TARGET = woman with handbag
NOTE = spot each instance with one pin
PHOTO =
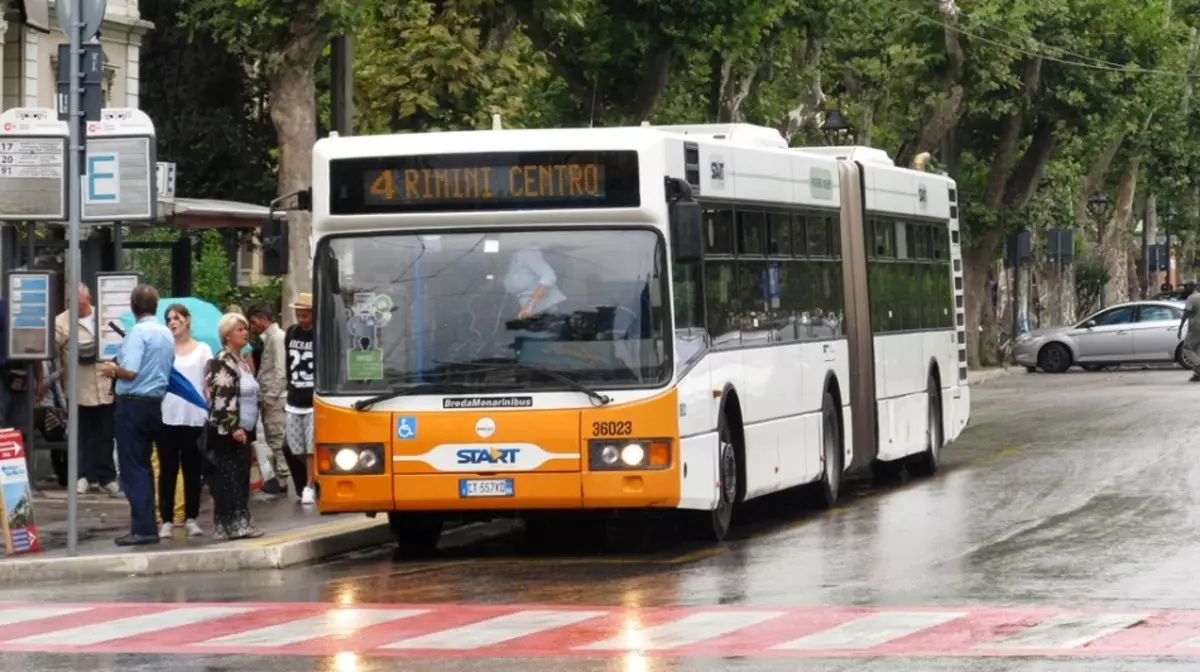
(183, 424)
(233, 398)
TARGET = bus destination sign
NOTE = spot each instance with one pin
(530, 181)
(506, 181)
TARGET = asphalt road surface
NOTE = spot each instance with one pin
(1062, 534)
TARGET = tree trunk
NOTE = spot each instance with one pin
(1114, 244)
(980, 311)
(293, 110)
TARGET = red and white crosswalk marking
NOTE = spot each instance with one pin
(447, 630)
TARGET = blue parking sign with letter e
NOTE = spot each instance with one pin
(406, 427)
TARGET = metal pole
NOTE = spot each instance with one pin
(74, 183)
(341, 65)
(30, 371)
(1167, 223)
(118, 246)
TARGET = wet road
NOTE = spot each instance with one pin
(1070, 493)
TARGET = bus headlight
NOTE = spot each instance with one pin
(350, 458)
(604, 455)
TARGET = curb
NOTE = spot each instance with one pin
(287, 550)
(980, 376)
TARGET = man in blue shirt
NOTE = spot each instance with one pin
(142, 370)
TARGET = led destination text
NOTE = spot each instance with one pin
(562, 181)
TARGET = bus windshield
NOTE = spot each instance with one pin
(492, 312)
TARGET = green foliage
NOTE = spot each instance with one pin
(210, 267)
(421, 69)
(1091, 275)
(208, 111)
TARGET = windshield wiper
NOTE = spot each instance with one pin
(418, 388)
(598, 397)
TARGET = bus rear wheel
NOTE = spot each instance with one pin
(416, 533)
(824, 493)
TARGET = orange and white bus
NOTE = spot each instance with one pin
(674, 318)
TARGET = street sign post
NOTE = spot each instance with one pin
(30, 320)
(33, 154)
(93, 72)
(120, 178)
(80, 20)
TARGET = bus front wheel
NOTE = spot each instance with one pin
(416, 533)
(714, 525)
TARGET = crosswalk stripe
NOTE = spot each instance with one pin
(132, 626)
(15, 615)
(495, 630)
(685, 631)
(871, 631)
(334, 623)
(1065, 631)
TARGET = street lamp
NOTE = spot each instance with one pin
(835, 128)
(1167, 213)
(1097, 204)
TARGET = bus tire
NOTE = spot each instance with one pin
(713, 526)
(416, 534)
(926, 463)
(824, 493)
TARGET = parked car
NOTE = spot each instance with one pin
(1134, 332)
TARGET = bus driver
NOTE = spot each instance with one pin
(533, 282)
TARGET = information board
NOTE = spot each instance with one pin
(16, 497)
(113, 290)
(33, 151)
(120, 177)
(30, 323)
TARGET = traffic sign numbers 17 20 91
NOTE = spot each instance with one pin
(31, 158)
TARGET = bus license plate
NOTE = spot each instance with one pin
(492, 487)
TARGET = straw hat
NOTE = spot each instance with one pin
(303, 301)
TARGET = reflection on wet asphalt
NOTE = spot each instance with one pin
(1067, 491)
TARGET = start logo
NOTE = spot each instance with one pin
(488, 455)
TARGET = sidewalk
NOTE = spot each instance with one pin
(293, 535)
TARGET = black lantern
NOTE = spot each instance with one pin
(835, 128)
(1167, 212)
(1097, 204)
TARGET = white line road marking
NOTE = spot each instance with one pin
(871, 631)
(132, 626)
(333, 623)
(685, 631)
(15, 615)
(1065, 631)
(495, 630)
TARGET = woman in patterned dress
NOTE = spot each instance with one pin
(233, 395)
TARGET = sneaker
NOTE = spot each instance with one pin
(166, 531)
(273, 488)
(82, 486)
(113, 490)
(192, 528)
(309, 497)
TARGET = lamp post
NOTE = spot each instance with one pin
(1167, 213)
(1097, 207)
(836, 129)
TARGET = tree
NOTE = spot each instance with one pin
(282, 40)
(419, 67)
(207, 110)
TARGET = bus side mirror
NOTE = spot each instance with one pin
(274, 246)
(687, 238)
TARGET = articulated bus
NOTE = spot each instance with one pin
(680, 318)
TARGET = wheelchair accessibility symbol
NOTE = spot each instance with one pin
(406, 428)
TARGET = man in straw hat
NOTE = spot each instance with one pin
(300, 375)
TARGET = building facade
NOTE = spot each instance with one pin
(31, 38)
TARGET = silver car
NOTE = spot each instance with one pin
(1139, 331)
